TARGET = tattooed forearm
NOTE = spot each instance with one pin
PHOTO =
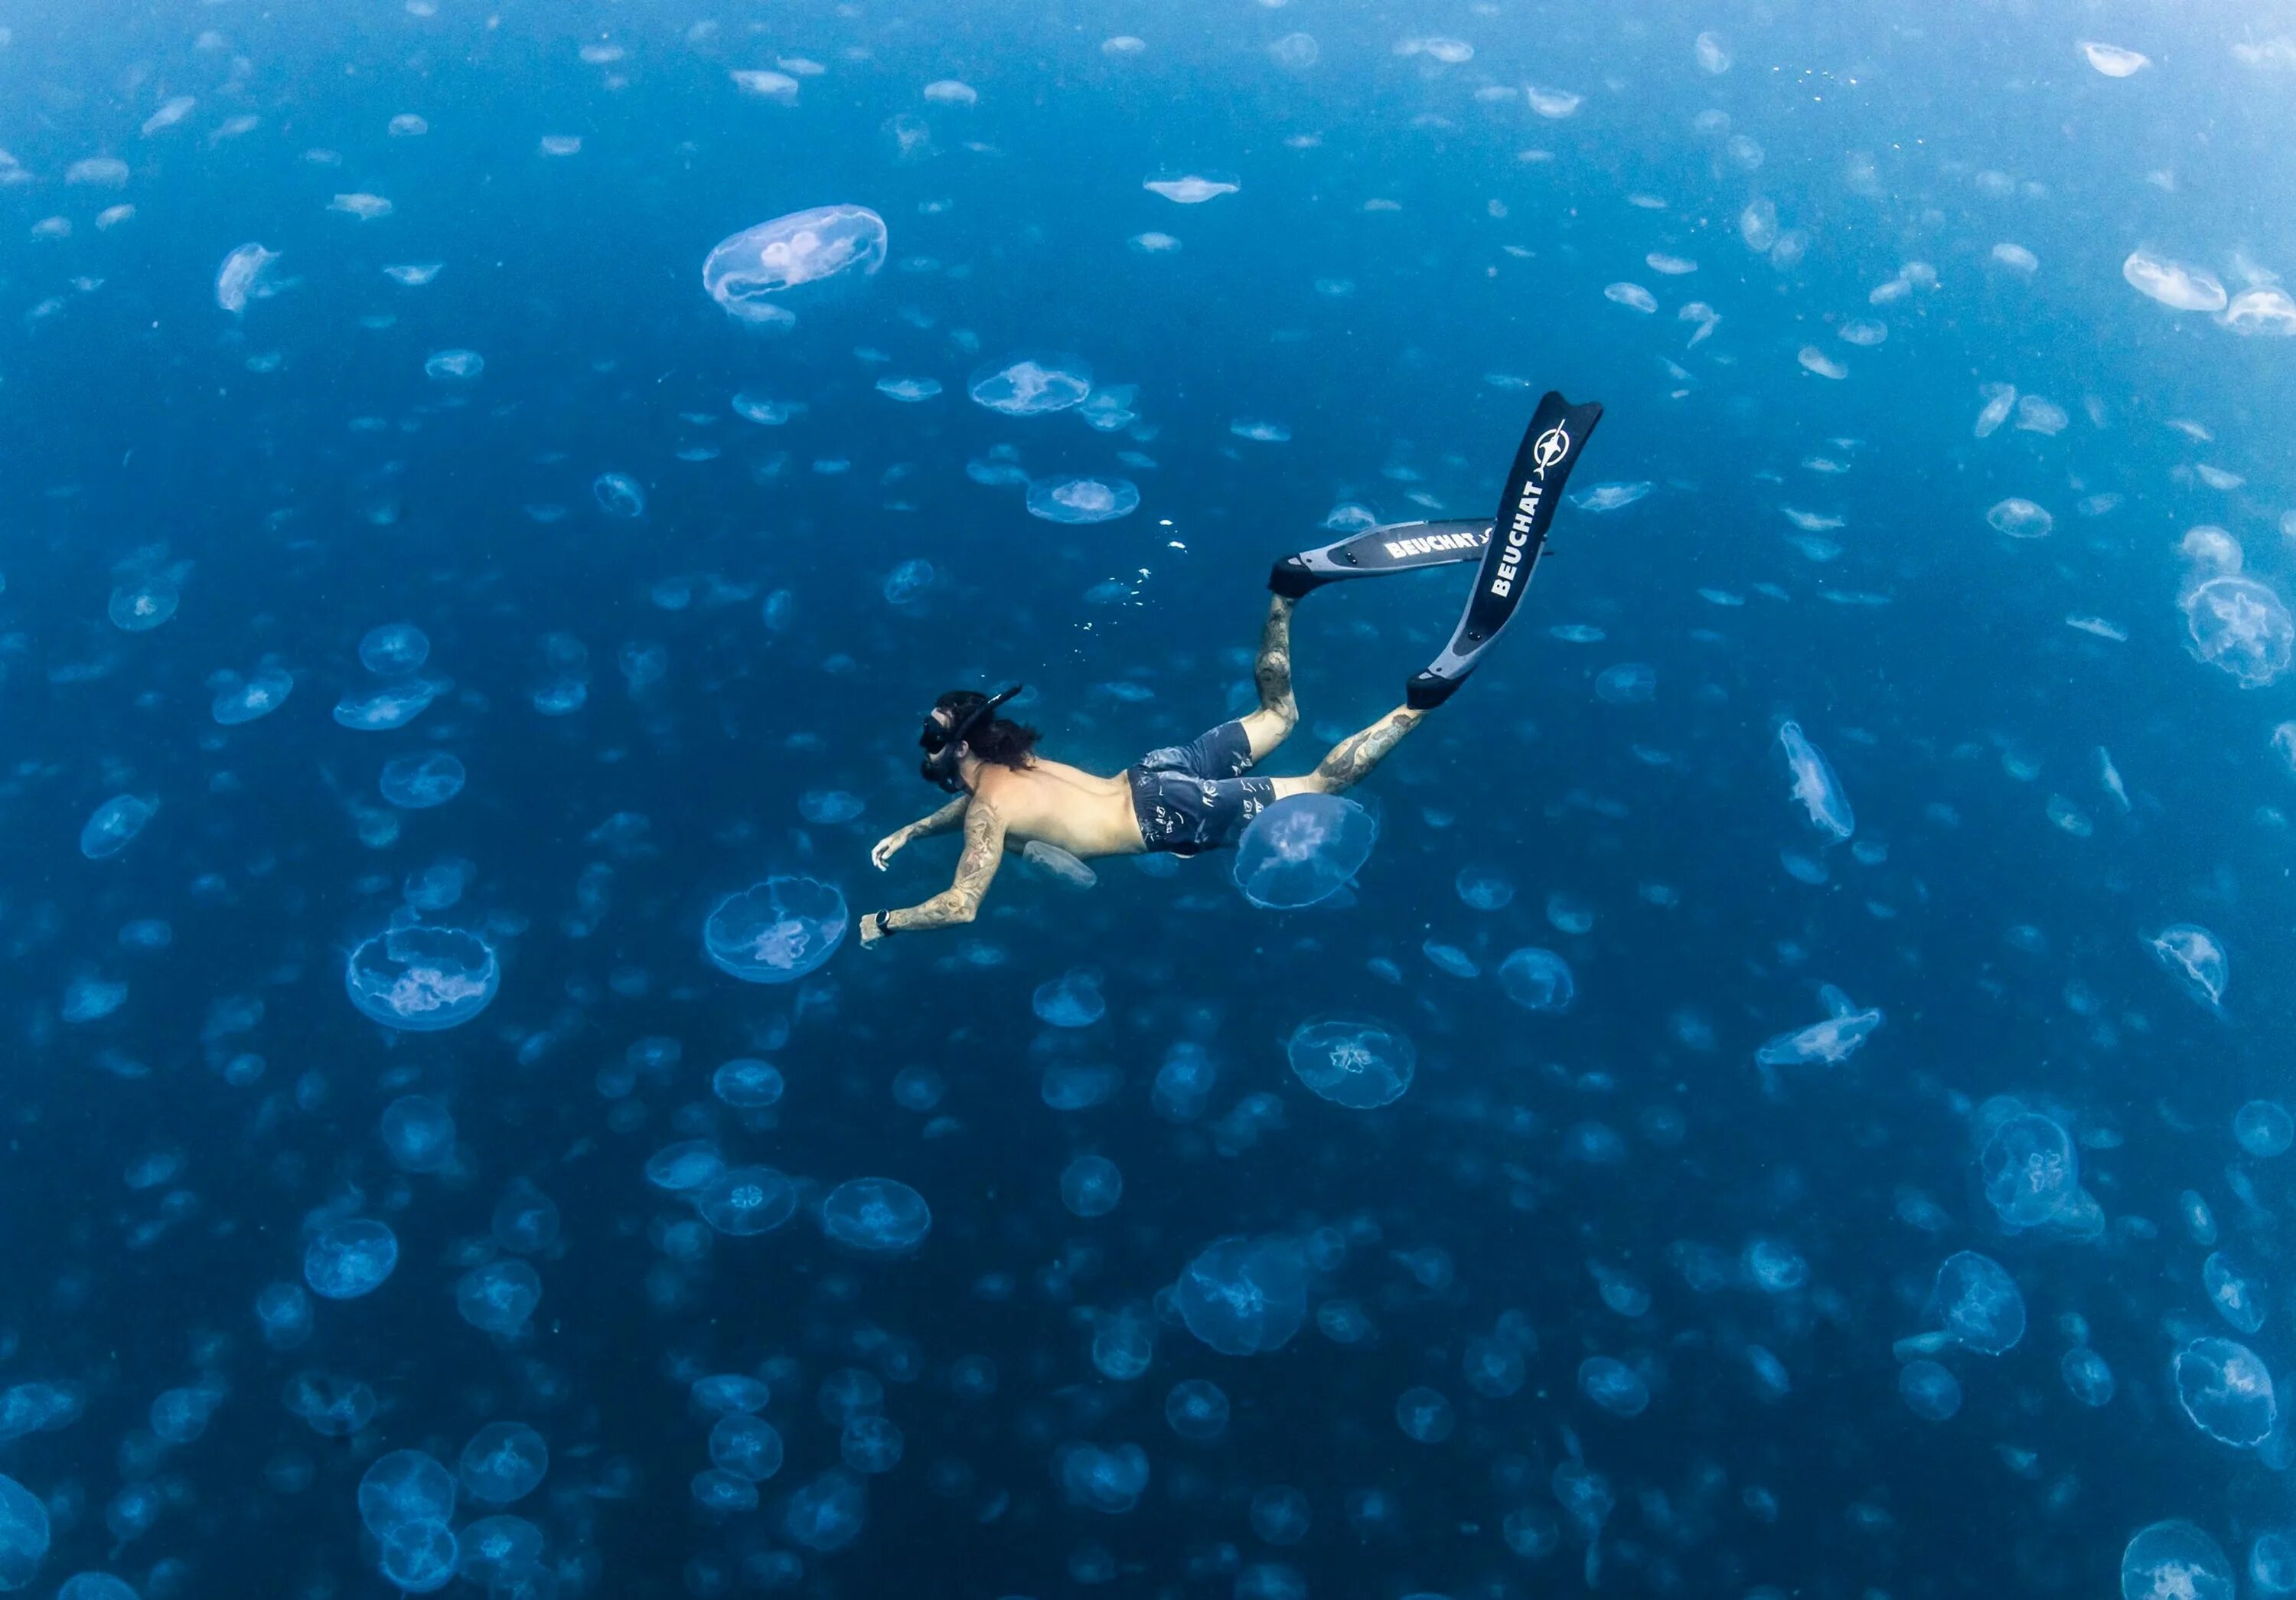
(984, 849)
(945, 820)
(1352, 759)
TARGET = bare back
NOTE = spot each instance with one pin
(1082, 812)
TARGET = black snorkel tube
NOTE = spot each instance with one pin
(942, 765)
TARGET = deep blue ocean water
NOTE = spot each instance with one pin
(1947, 395)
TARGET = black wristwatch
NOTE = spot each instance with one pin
(884, 929)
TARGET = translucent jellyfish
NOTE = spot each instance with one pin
(350, 1258)
(241, 277)
(454, 366)
(419, 1133)
(908, 389)
(2031, 1170)
(403, 1487)
(2226, 1390)
(241, 699)
(879, 1215)
(1633, 297)
(871, 1445)
(2087, 1376)
(1071, 1000)
(394, 648)
(618, 495)
(746, 1446)
(2239, 625)
(417, 783)
(2175, 286)
(495, 1546)
(908, 581)
(2264, 1128)
(505, 1461)
(1484, 887)
(143, 605)
(392, 707)
(333, 1407)
(1359, 1064)
(1538, 980)
(2112, 60)
(1077, 500)
(1815, 784)
(1554, 104)
(498, 1297)
(1628, 683)
(2174, 1560)
(742, 1201)
(422, 979)
(113, 825)
(747, 1084)
(1613, 1385)
(1929, 1392)
(95, 1585)
(827, 1513)
(789, 253)
(1103, 1480)
(2264, 310)
(1425, 1416)
(2195, 958)
(728, 1393)
(1713, 55)
(719, 1490)
(776, 931)
(1978, 1304)
(1058, 864)
(1196, 1409)
(1302, 849)
(1245, 1296)
(1032, 385)
(2020, 519)
(2237, 1295)
(1191, 190)
(1091, 1186)
(88, 999)
(2271, 1563)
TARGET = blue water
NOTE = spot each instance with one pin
(1132, 1238)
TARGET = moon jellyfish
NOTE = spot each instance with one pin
(1832, 1040)
(403, 1487)
(1077, 500)
(2192, 956)
(332, 1408)
(496, 1545)
(746, 1201)
(1359, 1064)
(617, 495)
(419, 1133)
(2174, 1560)
(113, 825)
(1628, 684)
(2112, 60)
(2175, 286)
(746, 1446)
(776, 931)
(1613, 1385)
(1538, 980)
(23, 1534)
(422, 979)
(1197, 1409)
(1929, 1392)
(1244, 1296)
(498, 1297)
(1425, 1416)
(417, 783)
(139, 607)
(804, 246)
(394, 648)
(1071, 1000)
(1191, 190)
(2226, 1390)
(879, 1215)
(392, 707)
(505, 1461)
(2020, 519)
(2264, 1128)
(2271, 1563)
(2239, 625)
(2087, 1376)
(1302, 850)
(1484, 887)
(1091, 1186)
(242, 277)
(1815, 784)
(454, 366)
(1058, 864)
(241, 699)
(350, 1258)
(1032, 385)
(2234, 1293)
(747, 1084)
(1978, 1304)
(2031, 1170)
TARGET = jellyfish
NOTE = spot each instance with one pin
(1302, 850)
(403, 1487)
(244, 277)
(498, 1298)
(1929, 1392)
(2020, 519)
(113, 825)
(2239, 625)
(877, 1216)
(1091, 1186)
(2195, 958)
(747, 1084)
(2175, 286)
(2031, 1170)
(2264, 1128)
(1832, 1040)
(1191, 190)
(393, 706)
(789, 253)
(1538, 980)
(1978, 1304)
(350, 1258)
(1032, 385)
(2087, 1376)
(1071, 1000)
(776, 931)
(1359, 1064)
(422, 978)
(417, 783)
(746, 1446)
(1079, 500)
(1613, 1385)
(419, 1133)
(742, 1201)
(2226, 1390)
(504, 1462)
(1244, 1296)
(2174, 1560)
(1815, 784)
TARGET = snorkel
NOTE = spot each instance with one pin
(943, 764)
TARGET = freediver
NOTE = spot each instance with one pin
(1196, 796)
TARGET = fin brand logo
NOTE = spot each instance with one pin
(1547, 452)
(1552, 446)
(1396, 549)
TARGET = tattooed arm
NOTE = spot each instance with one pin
(1353, 757)
(984, 849)
(948, 818)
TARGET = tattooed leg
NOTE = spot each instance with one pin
(1271, 673)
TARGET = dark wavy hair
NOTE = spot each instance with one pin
(993, 739)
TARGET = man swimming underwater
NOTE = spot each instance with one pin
(1196, 796)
